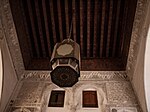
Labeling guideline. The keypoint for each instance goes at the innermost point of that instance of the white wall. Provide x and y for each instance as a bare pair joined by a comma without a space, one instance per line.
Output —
138,76
9,79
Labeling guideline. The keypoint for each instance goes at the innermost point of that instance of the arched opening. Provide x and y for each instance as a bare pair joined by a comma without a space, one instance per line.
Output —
1,72
147,71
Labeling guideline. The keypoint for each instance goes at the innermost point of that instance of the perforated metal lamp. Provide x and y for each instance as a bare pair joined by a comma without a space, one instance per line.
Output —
65,62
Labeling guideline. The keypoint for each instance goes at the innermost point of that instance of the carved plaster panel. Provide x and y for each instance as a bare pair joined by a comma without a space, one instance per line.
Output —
35,94
120,94
103,75
139,31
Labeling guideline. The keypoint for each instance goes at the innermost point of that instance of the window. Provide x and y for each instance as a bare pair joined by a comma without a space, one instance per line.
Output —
90,99
56,99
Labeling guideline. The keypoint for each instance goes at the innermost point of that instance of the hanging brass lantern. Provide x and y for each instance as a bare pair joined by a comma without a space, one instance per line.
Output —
65,62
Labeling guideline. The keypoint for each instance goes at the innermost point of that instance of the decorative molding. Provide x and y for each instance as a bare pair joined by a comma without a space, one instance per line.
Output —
36,76
103,75
11,36
138,32
84,75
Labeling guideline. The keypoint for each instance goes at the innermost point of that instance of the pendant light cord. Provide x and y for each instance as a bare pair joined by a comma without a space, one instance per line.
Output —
70,31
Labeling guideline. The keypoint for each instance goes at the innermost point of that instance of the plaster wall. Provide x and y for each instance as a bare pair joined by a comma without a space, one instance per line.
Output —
9,76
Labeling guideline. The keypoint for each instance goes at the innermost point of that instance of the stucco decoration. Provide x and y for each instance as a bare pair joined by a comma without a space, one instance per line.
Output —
139,31
11,36
120,93
103,75
36,76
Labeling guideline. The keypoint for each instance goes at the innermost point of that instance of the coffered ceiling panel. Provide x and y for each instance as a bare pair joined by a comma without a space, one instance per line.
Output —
101,27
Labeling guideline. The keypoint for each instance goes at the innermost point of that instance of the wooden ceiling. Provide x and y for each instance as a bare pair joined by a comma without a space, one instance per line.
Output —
101,27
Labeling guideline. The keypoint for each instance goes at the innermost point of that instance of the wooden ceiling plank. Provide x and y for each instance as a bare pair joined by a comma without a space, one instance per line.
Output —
67,17
46,27
60,20
95,29
88,27
33,27
109,27
123,24
74,20
53,21
40,27
26,23
81,27
116,27
102,27
123,36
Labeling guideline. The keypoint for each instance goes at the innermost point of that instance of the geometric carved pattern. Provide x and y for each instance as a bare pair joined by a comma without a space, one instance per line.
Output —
103,75
84,75
36,76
